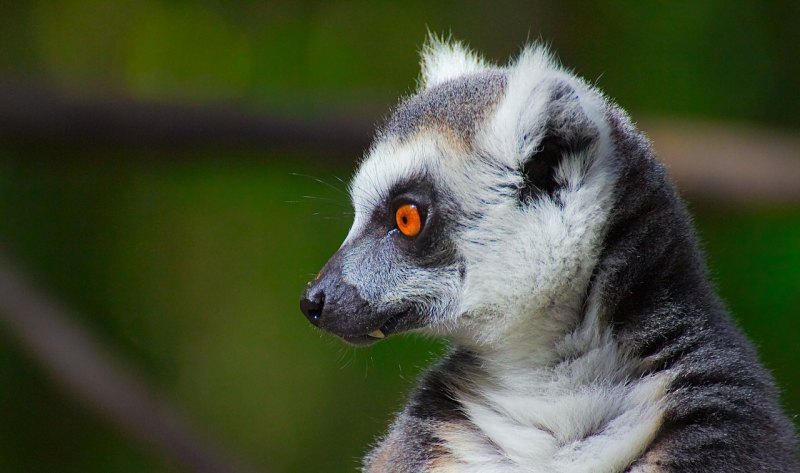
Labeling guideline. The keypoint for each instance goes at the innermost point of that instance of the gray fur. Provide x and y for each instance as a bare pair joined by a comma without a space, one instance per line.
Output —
456,106
723,413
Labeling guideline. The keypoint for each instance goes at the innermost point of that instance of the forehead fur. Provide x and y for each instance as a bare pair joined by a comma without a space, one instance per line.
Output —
454,108
500,113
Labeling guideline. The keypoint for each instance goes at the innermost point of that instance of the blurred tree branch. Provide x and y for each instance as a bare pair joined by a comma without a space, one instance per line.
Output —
39,117
728,162
93,377
709,161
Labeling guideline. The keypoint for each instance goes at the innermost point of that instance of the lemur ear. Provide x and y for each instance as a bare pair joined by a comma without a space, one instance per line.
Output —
442,59
567,132
567,118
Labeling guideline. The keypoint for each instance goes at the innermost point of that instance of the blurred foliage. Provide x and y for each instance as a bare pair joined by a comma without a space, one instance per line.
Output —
192,270
714,58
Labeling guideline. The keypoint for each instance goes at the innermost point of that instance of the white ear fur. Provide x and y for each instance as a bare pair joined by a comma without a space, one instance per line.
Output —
443,59
522,107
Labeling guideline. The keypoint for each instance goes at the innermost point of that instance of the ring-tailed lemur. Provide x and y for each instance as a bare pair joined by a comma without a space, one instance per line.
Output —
518,212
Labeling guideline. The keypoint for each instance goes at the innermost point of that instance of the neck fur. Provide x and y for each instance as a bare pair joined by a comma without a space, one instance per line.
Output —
570,404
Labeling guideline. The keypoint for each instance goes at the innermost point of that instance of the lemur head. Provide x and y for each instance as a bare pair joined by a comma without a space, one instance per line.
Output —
479,209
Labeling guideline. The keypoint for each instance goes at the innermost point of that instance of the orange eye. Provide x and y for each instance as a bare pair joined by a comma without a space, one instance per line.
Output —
408,220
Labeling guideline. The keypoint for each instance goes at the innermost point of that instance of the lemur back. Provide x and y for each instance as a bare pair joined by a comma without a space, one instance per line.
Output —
518,212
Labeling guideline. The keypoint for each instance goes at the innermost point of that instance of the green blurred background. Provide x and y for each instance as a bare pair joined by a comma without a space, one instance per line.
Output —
191,269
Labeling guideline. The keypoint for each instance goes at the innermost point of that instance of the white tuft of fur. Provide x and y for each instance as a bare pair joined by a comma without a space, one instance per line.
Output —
444,59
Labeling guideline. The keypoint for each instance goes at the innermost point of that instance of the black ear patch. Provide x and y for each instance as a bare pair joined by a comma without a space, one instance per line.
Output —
568,131
539,170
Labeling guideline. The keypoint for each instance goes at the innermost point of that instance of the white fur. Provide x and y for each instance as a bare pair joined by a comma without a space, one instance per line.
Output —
442,60
594,429
585,415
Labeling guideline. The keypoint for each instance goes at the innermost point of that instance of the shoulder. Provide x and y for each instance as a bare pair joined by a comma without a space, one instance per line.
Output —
414,440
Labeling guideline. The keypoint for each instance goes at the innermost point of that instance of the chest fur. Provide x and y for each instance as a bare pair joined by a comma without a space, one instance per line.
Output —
599,427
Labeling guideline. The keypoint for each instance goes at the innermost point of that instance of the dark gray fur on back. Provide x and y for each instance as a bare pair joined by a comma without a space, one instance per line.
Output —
723,413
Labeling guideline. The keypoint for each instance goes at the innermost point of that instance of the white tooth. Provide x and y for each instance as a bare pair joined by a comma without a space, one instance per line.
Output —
376,334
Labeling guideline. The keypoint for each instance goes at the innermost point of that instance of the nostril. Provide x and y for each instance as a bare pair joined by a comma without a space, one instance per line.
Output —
311,305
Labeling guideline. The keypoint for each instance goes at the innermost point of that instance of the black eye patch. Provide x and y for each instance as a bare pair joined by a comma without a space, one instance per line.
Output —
432,246
417,190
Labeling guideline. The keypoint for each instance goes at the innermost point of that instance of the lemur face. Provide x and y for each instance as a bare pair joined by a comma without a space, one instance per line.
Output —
479,208
399,268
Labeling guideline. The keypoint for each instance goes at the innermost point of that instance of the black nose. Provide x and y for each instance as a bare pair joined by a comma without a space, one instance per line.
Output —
311,305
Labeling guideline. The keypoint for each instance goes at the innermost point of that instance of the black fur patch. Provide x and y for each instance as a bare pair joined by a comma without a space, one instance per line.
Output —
432,247
434,398
539,170
568,131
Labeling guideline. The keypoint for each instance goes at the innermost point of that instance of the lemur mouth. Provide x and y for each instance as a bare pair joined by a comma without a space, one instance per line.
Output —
395,323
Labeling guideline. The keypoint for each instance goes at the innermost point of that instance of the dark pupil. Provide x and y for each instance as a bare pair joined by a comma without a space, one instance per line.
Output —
405,220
